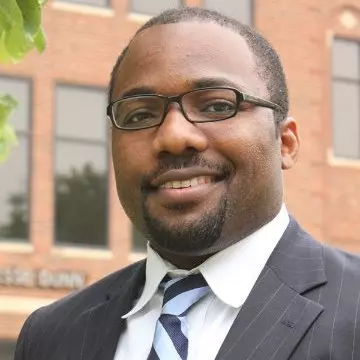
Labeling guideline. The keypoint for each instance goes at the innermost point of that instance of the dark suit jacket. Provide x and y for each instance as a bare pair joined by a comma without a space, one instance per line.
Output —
304,306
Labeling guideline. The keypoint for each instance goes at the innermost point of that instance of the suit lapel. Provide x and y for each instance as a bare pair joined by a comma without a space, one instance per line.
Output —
276,315
102,325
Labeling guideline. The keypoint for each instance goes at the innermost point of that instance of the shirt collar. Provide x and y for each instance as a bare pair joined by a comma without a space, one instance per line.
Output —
231,273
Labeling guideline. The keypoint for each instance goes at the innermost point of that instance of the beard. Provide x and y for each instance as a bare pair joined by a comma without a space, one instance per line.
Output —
185,237
196,237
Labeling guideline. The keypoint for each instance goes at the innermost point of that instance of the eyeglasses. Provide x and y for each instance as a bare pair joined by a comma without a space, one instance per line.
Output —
197,106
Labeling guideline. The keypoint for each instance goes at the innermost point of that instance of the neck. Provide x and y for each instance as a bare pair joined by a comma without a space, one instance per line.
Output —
191,259
182,261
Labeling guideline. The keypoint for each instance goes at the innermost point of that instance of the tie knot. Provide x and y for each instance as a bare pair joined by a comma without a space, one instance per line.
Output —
181,294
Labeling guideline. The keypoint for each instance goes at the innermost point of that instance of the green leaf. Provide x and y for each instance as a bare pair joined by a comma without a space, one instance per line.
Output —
12,36
5,57
40,41
17,43
10,14
20,29
7,105
7,141
31,14
7,133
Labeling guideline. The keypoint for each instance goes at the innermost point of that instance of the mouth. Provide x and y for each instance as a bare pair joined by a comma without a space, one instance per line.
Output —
190,183
186,186
186,178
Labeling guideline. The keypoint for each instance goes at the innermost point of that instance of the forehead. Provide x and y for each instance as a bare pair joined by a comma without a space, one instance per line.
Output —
170,58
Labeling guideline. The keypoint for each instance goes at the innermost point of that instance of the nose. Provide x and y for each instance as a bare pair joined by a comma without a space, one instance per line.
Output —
177,135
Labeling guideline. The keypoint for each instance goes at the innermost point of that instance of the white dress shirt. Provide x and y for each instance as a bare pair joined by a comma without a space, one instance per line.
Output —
231,274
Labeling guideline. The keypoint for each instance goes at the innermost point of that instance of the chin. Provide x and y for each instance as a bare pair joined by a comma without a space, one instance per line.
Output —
187,233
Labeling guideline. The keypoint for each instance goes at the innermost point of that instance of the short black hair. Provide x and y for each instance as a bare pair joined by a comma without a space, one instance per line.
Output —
267,59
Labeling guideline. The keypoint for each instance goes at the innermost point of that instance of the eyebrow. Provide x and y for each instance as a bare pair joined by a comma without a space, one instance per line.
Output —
142,90
196,84
216,81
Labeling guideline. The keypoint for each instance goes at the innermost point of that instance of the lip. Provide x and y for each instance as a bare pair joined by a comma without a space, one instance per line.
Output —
169,197
185,174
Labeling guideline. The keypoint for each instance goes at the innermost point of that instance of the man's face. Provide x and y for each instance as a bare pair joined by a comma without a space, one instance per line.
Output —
233,166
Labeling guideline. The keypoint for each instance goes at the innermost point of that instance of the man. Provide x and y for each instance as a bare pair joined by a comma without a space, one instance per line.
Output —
200,136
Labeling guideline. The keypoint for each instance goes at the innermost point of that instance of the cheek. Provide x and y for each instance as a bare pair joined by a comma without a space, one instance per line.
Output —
249,144
130,154
130,163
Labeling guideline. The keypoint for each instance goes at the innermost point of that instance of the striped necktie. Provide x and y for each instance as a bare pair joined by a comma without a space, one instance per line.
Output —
180,294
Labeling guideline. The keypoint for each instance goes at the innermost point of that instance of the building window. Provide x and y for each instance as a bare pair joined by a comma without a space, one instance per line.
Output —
99,3
139,242
81,166
7,349
147,7
346,98
240,10
14,173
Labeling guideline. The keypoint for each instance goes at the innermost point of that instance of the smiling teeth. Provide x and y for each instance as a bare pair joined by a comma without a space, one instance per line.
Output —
200,180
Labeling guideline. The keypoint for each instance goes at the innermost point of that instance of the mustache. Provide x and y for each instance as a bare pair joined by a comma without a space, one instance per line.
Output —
175,162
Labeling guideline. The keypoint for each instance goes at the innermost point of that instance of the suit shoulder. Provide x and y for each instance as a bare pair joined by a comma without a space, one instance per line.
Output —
34,341
90,296
343,274
335,257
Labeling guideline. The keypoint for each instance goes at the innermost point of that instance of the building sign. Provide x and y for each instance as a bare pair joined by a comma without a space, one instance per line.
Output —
41,278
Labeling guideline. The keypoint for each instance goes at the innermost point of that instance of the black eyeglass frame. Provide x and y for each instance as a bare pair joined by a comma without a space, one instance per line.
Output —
240,97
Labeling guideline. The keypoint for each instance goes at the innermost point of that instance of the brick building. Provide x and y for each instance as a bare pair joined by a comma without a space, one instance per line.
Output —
61,225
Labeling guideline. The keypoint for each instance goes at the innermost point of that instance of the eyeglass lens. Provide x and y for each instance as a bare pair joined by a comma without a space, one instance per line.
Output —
198,106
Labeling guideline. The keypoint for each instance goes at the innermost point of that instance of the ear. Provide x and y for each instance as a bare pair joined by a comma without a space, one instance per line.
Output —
290,142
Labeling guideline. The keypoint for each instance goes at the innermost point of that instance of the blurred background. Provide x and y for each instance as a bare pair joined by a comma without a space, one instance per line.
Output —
61,224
